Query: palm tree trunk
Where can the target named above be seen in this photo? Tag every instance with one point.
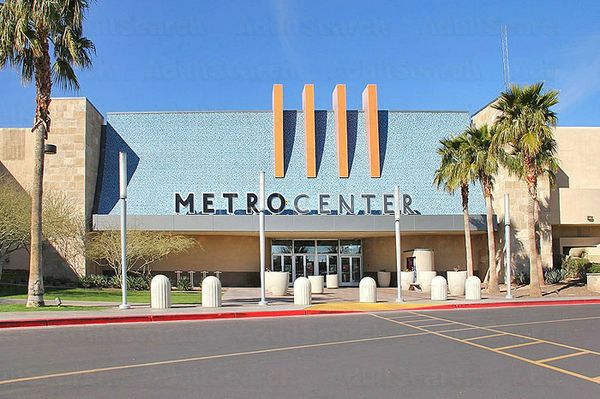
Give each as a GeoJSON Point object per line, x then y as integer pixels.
{"type": "Point", "coordinates": [539, 266]}
{"type": "Point", "coordinates": [534, 281]}
{"type": "Point", "coordinates": [464, 191]}
{"type": "Point", "coordinates": [43, 83]}
{"type": "Point", "coordinates": [493, 273]}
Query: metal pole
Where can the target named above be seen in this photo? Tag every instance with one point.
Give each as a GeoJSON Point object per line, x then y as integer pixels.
{"type": "Point", "coordinates": [397, 210]}
{"type": "Point", "coordinates": [261, 226]}
{"type": "Point", "coordinates": [123, 199]}
{"type": "Point", "coordinates": [507, 257]}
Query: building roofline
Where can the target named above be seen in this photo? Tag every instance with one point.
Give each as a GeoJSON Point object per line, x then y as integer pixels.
{"type": "Point", "coordinates": [484, 107]}
{"type": "Point", "coordinates": [269, 111]}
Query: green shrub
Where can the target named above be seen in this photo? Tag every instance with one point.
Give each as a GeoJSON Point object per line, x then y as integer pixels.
{"type": "Point", "coordinates": [593, 268]}
{"type": "Point", "coordinates": [86, 282]}
{"type": "Point", "coordinates": [137, 283]}
{"type": "Point", "coordinates": [115, 282]}
{"type": "Point", "coordinates": [184, 284]}
{"type": "Point", "coordinates": [521, 277]}
{"type": "Point", "coordinates": [574, 267]}
{"type": "Point", "coordinates": [554, 276]}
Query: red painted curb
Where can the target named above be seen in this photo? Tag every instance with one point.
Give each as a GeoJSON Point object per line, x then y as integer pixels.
{"type": "Point", "coordinates": [276, 313]}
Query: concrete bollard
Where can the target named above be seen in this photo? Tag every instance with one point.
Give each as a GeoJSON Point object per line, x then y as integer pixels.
{"type": "Point", "coordinates": [473, 289]}
{"type": "Point", "coordinates": [317, 284]}
{"type": "Point", "coordinates": [160, 292]}
{"type": "Point", "coordinates": [302, 291]}
{"type": "Point", "coordinates": [367, 290]}
{"type": "Point", "coordinates": [439, 289]}
{"type": "Point", "coordinates": [211, 292]}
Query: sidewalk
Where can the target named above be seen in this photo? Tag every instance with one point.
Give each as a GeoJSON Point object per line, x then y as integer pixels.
{"type": "Point", "coordinates": [243, 303]}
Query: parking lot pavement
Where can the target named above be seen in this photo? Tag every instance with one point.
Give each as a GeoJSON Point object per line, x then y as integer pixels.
{"type": "Point", "coordinates": [501, 353]}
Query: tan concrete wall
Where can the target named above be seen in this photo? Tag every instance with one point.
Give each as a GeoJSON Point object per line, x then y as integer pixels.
{"type": "Point", "coordinates": [76, 131]}
{"type": "Point", "coordinates": [379, 252]}
{"type": "Point", "coordinates": [223, 253]}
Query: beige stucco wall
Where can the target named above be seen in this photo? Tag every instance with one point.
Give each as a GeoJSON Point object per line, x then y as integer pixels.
{"type": "Point", "coordinates": [223, 253]}
{"type": "Point", "coordinates": [76, 131]}
{"type": "Point", "coordinates": [379, 252]}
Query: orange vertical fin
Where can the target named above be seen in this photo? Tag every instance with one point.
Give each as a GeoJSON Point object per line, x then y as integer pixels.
{"type": "Point", "coordinates": [369, 102]}
{"type": "Point", "coordinates": [341, 128]}
{"type": "Point", "coordinates": [308, 107]}
{"type": "Point", "coordinates": [278, 129]}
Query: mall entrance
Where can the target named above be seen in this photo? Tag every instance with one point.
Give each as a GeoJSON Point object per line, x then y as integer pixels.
{"type": "Point", "coordinates": [302, 258]}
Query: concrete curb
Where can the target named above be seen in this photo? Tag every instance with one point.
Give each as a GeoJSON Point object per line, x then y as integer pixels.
{"type": "Point", "coordinates": [90, 320]}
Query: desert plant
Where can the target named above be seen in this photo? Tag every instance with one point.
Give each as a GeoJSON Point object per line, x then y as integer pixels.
{"type": "Point", "coordinates": [457, 173]}
{"type": "Point", "coordinates": [184, 284]}
{"type": "Point", "coordinates": [43, 40]}
{"type": "Point", "coordinates": [554, 276]}
{"type": "Point", "coordinates": [521, 277]}
{"type": "Point", "coordinates": [525, 126]}
{"type": "Point", "coordinates": [575, 267]}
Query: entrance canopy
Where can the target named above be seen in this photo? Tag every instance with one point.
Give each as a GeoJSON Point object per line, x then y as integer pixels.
{"type": "Point", "coordinates": [293, 223]}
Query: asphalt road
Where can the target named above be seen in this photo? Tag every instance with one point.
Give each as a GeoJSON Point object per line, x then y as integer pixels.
{"type": "Point", "coordinates": [543, 352]}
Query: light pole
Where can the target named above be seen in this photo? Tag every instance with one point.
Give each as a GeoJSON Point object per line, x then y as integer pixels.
{"type": "Point", "coordinates": [507, 256]}
{"type": "Point", "coordinates": [397, 211]}
{"type": "Point", "coordinates": [261, 227]}
{"type": "Point", "coordinates": [123, 199]}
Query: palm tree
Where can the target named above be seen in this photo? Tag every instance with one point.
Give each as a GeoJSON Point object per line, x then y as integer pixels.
{"type": "Point", "coordinates": [43, 40]}
{"type": "Point", "coordinates": [485, 156]}
{"type": "Point", "coordinates": [455, 171]}
{"type": "Point", "coordinates": [525, 126]}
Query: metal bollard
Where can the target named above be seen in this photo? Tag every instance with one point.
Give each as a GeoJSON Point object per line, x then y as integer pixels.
{"type": "Point", "coordinates": [367, 290]}
{"type": "Point", "coordinates": [439, 289]}
{"type": "Point", "coordinates": [473, 289]}
{"type": "Point", "coordinates": [302, 291]}
{"type": "Point", "coordinates": [211, 292]}
{"type": "Point", "coordinates": [160, 292]}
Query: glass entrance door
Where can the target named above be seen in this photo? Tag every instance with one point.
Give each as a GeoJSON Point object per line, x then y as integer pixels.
{"type": "Point", "coordinates": [351, 270]}
{"type": "Point", "coordinates": [304, 266]}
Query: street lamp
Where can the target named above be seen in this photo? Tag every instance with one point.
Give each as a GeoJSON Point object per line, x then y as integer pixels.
{"type": "Point", "coordinates": [123, 198]}
{"type": "Point", "coordinates": [261, 227]}
{"type": "Point", "coordinates": [397, 210]}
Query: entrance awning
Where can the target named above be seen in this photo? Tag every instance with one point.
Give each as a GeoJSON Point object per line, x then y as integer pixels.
{"type": "Point", "coordinates": [292, 223]}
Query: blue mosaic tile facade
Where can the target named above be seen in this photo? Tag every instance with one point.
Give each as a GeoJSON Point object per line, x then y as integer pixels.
{"type": "Point", "coordinates": [221, 152]}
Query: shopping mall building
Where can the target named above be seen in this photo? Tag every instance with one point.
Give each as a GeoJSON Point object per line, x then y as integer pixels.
{"type": "Point", "coordinates": [330, 177]}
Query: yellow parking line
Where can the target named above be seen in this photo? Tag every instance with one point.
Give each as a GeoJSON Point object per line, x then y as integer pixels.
{"type": "Point", "coordinates": [460, 329]}
{"type": "Point", "coordinates": [527, 323]}
{"type": "Point", "coordinates": [502, 348]}
{"type": "Point", "coordinates": [544, 365]}
{"type": "Point", "coordinates": [551, 359]}
{"type": "Point", "coordinates": [510, 333]}
{"type": "Point", "coordinates": [484, 336]}
{"type": "Point", "coordinates": [435, 325]}
{"type": "Point", "coordinates": [202, 358]}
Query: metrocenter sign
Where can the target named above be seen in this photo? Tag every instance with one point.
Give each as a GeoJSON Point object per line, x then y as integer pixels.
{"type": "Point", "coordinates": [302, 204]}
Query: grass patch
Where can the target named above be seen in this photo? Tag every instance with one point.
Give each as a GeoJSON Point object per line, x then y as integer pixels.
{"type": "Point", "coordinates": [15, 307]}
{"type": "Point", "coordinates": [97, 295]}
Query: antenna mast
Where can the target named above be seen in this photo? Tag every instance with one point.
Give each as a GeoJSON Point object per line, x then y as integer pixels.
{"type": "Point", "coordinates": [505, 63]}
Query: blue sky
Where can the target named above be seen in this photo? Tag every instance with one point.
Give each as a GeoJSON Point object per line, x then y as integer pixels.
{"type": "Point", "coordinates": [423, 55]}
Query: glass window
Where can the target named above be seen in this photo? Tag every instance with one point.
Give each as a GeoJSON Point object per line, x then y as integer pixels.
{"type": "Point", "coordinates": [327, 246]}
{"type": "Point", "coordinates": [304, 246]}
{"type": "Point", "coordinates": [350, 247]}
{"type": "Point", "coordinates": [276, 264]}
{"type": "Point", "coordinates": [281, 247]}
